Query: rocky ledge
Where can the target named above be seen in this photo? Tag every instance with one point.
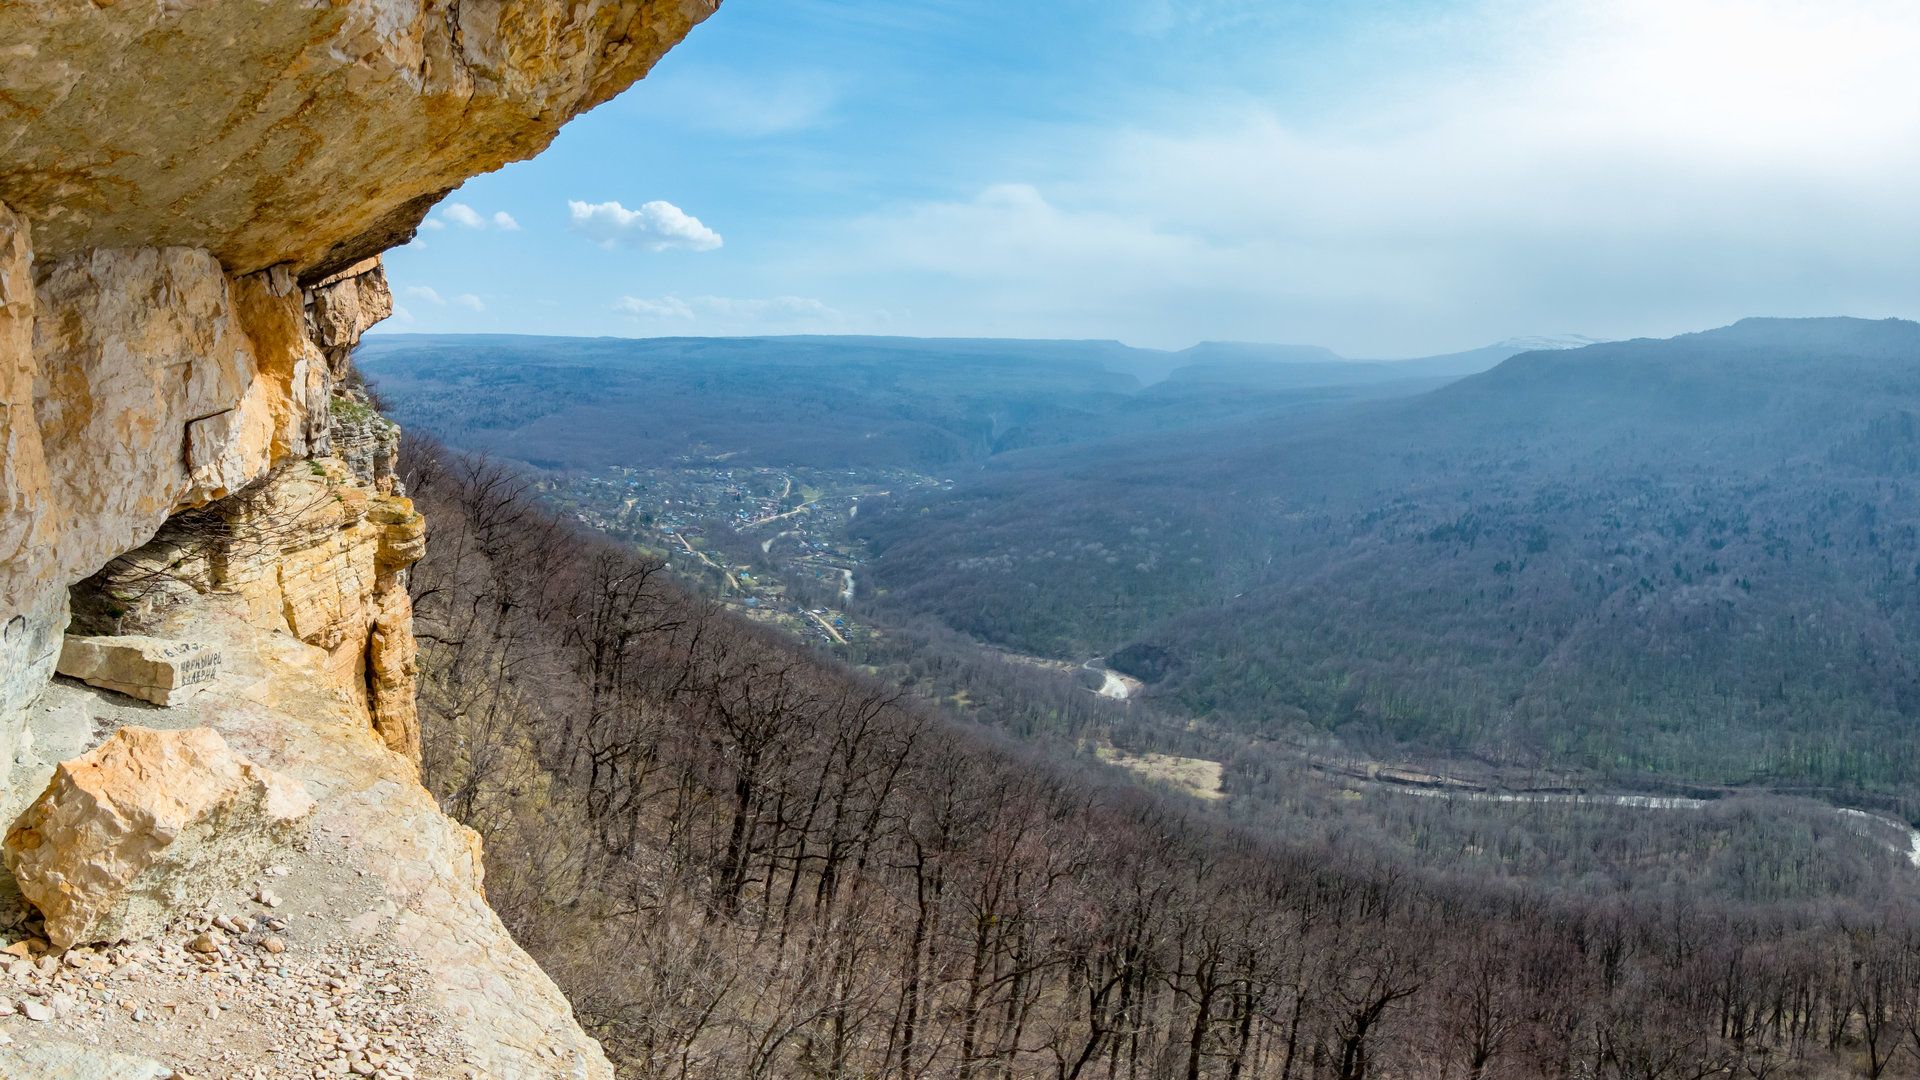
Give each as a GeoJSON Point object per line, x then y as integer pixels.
{"type": "Point", "coordinates": [200, 527]}
{"type": "Point", "coordinates": [368, 949]}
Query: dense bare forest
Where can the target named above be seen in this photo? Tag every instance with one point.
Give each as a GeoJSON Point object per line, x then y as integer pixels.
{"type": "Point", "coordinates": [740, 859]}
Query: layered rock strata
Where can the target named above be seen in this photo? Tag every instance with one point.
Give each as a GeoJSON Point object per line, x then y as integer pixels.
{"type": "Point", "coordinates": [151, 382]}
{"type": "Point", "coordinates": [190, 194]}
{"type": "Point", "coordinates": [193, 196]}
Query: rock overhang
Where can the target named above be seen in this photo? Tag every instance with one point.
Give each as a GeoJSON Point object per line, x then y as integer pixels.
{"type": "Point", "coordinates": [309, 135]}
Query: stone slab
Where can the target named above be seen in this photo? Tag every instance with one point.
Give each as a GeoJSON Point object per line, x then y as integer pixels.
{"type": "Point", "coordinates": [157, 670]}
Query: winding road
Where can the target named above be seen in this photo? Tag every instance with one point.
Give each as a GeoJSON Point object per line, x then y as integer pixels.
{"type": "Point", "coordinates": [1116, 686]}
{"type": "Point", "coordinates": [702, 556]}
{"type": "Point", "coordinates": [1458, 790]}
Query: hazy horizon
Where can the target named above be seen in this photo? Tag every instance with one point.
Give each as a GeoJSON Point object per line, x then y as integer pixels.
{"type": "Point", "coordinates": [1543, 341]}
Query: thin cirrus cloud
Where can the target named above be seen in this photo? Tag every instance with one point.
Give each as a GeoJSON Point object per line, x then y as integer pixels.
{"type": "Point", "coordinates": [657, 225]}
{"type": "Point", "coordinates": [740, 104]}
{"type": "Point", "coordinates": [428, 294]}
{"type": "Point", "coordinates": [1398, 179]}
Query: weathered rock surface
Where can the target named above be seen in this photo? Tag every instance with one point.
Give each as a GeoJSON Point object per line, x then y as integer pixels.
{"type": "Point", "coordinates": [66, 1061]}
{"type": "Point", "coordinates": [147, 827]}
{"type": "Point", "coordinates": [153, 382]}
{"type": "Point", "coordinates": [383, 895]}
{"type": "Point", "coordinates": [345, 305]}
{"type": "Point", "coordinates": [311, 551]}
{"type": "Point", "coordinates": [368, 442]}
{"type": "Point", "coordinates": [180, 185]}
{"type": "Point", "coordinates": [151, 669]}
{"type": "Point", "coordinates": [309, 134]}
{"type": "Point", "coordinates": [31, 613]}
{"type": "Point", "coordinates": [193, 196]}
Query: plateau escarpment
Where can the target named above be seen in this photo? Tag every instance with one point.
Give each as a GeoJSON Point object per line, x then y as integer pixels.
{"type": "Point", "coordinates": [192, 201]}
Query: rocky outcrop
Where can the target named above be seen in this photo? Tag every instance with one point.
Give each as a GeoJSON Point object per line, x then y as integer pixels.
{"type": "Point", "coordinates": [342, 307]}
{"type": "Point", "coordinates": [158, 383]}
{"type": "Point", "coordinates": [298, 134]}
{"type": "Point", "coordinates": [189, 197]}
{"type": "Point", "coordinates": [379, 930]}
{"type": "Point", "coordinates": [367, 442]}
{"type": "Point", "coordinates": [193, 197]}
{"type": "Point", "coordinates": [309, 551]}
{"type": "Point", "coordinates": [146, 826]}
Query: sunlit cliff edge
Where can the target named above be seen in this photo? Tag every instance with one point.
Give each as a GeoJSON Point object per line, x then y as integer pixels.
{"type": "Point", "coordinates": [193, 199]}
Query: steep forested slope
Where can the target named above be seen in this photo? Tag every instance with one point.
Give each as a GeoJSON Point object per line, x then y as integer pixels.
{"type": "Point", "coordinates": [741, 860]}
{"type": "Point", "coordinates": [1695, 558]}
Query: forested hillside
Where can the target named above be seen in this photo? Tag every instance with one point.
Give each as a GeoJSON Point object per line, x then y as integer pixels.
{"type": "Point", "coordinates": [797, 872]}
{"type": "Point", "coordinates": [1696, 559]}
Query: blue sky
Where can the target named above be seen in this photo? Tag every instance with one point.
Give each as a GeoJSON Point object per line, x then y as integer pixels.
{"type": "Point", "coordinates": [1387, 178]}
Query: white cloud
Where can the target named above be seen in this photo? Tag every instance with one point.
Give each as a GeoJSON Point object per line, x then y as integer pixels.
{"type": "Point", "coordinates": [467, 217]}
{"type": "Point", "coordinates": [1609, 166]}
{"type": "Point", "coordinates": [470, 302]}
{"type": "Point", "coordinates": [461, 214]}
{"type": "Point", "coordinates": [423, 292]}
{"type": "Point", "coordinates": [655, 226]}
{"type": "Point", "coordinates": [401, 314]}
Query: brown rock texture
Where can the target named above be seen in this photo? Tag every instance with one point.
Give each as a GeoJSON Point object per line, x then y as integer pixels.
{"type": "Point", "coordinates": [344, 306]}
{"type": "Point", "coordinates": [307, 134]}
{"type": "Point", "coordinates": [191, 194]}
{"type": "Point", "coordinates": [144, 829]}
{"type": "Point", "coordinates": [382, 874]}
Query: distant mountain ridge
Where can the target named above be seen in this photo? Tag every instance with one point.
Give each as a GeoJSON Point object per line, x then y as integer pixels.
{"type": "Point", "coordinates": [1210, 361]}
{"type": "Point", "coordinates": [1696, 557]}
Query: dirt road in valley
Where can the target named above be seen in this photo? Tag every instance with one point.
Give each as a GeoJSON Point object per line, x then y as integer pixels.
{"type": "Point", "coordinates": [732, 581]}
{"type": "Point", "coordinates": [1442, 787]}
{"type": "Point", "coordinates": [1114, 685]}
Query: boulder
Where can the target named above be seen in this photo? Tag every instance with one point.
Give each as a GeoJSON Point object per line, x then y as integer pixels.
{"type": "Point", "coordinates": [146, 827]}
{"type": "Point", "coordinates": [152, 669]}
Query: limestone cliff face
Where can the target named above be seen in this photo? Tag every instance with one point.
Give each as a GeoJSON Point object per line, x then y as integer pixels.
{"type": "Point", "coordinates": [313, 551]}
{"type": "Point", "coordinates": [190, 192]}
{"type": "Point", "coordinates": [193, 198]}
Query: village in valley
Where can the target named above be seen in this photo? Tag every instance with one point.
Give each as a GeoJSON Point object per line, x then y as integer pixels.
{"type": "Point", "coordinates": [772, 543]}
